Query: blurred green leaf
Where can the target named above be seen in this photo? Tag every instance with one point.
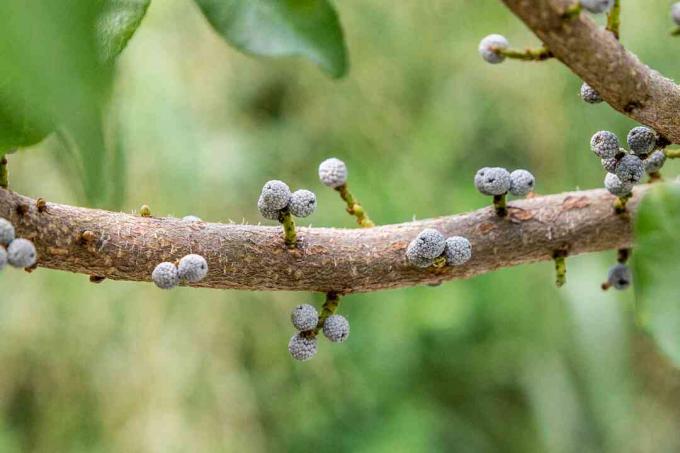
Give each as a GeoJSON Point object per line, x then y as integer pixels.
{"type": "Point", "coordinates": [117, 23]}
{"type": "Point", "coordinates": [655, 266]}
{"type": "Point", "coordinates": [309, 28]}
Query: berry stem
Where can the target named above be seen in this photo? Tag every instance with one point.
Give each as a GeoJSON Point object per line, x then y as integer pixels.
{"type": "Point", "coordinates": [676, 32]}
{"type": "Point", "coordinates": [354, 208]}
{"type": "Point", "coordinates": [500, 204]}
{"type": "Point", "coordinates": [622, 255]}
{"type": "Point", "coordinates": [540, 54]}
{"type": "Point", "coordinates": [614, 19]}
{"type": "Point", "coordinates": [560, 258]}
{"type": "Point", "coordinates": [572, 11]}
{"type": "Point", "coordinates": [289, 234]}
{"type": "Point", "coordinates": [620, 204]}
{"type": "Point", "coordinates": [329, 308]}
{"type": "Point", "coordinates": [672, 153]}
{"type": "Point", "coordinates": [439, 262]}
{"type": "Point", "coordinates": [4, 174]}
{"type": "Point", "coordinates": [655, 177]}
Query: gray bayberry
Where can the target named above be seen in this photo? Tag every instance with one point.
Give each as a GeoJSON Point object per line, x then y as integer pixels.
{"type": "Point", "coordinates": [605, 144]}
{"type": "Point", "coordinates": [3, 257]}
{"type": "Point", "coordinates": [336, 328]}
{"type": "Point", "coordinates": [427, 246]}
{"type": "Point", "coordinates": [302, 203]}
{"type": "Point", "coordinates": [654, 162]}
{"type": "Point", "coordinates": [492, 181]}
{"type": "Point", "coordinates": [521, 183]}
{"type": "Point", "coordinates": [630, 168]}
{"type": "Point", "coordinates": [609, 164]}
{"type": "Point", "coordinates": [304, 317]}
{"type": "Point", "coordinates": [617, 187]}
{"type": "Point", "coordinates": [165, 276]}
{"type": "Point", "coordinates": [675, 12]}
{"type": "Point", "coordinates": [6, 232]}
{"type": "Point", "coordinates": [275, 195]}
{"type": "Point", "coordinates": [619, 276]}
{"type": "Point", "coordinates": [589, 95]}
{"type": "Point", "coordinates": [266, 212]}
{"type": "Point", "coordinates": [302, 347]}
{"type": "Point", "coordinates": [491, 46]}
{"type": "Point", "coordinates": [21, 253]}
{"type": "Point", "coordinates": [192, 268]}
{"type": "Point", "coordinates": [597, 6]}
{"type": "Point", "coordinates": [191, 218]}
{"type": "Point", "coordinates": [333, 172]}
{"type": "Point", "coordinates": [641, 140]}
{"type": "Point", "coordinates": [458, 250]}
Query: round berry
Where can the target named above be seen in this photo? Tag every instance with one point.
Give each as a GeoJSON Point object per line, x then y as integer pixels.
{"type": "Point", "coordinates": [3, 257]}
{"type": "Point", "coordinates": [654, 162]}
{"type": "Point", "coordinates": [458, 250]}
{"type": "Point", "coordinates": [619, 276]}
{"type": "Point", "coordinates": [21, 253]}
{"type": "Point", "coordinates": [275, 195]}
{"type": "Point", "coordinates": [427, 246]}
{"type": "Point", "coordinates": [521, 183]}
{"type": "Point", "coordinates": [304, 317]}
{"type": "Point", "coordinates": [589, 95]}
{"type": "Point", "coordinates": [266, 212]}
{"type": "Point", "coordinates": [675, 12]}
{"type": "Point", "coordinates": [302, 203]}
{"type": "Point", "coordinates": [6, 232]}
{"type": "Point", "coordinates": [605, 144]}
{"type": "Point", "coordinates": [641, 140]}
{"type": "Point", "coordinates": [336, 328]}
{"type": "Point", "coordinates": [302, 347]}
{"type": "Point", "coordinates": [492, 181]}
{"type": "Point", "coordinates": [630, 168]}
{"type": "Point", "coordinates": [192, 268]}
{"type": "Point", "coordinates": [191, 218]}
{"type": "Point", "coordinates": [491, 46]}
{"type": "Point", "coordinates": [597, 6]}
{"type": "Point", "coordinates": [617, 187]}
{"type": "Point", "coordinates": [333, 172]}
{"type": "Point", "coordinates": [165, 276]}
{"type": "Point", "coordinates": [609, 164]}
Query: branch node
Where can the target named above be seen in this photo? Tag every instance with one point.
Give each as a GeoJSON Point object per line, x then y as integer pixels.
{"type": "Point", "coordinates": [41, 205]}
{"type": "Point", "coordinates": [145, 211]}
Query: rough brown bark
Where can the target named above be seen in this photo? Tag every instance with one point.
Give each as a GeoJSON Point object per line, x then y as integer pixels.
{"type": "Point", "coordinates": [596, 56]}
{"type": "Point", "coordinates": [126, 247]}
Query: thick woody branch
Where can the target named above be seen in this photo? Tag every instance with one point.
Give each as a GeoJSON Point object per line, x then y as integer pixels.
{"type": "Point", "coordinates": [126, 247]}
{"type": "Point", "coordinates": [597, 57]}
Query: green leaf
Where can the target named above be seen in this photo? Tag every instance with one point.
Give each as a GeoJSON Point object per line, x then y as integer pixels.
{"type": "Point", "coordinates": [309, 28]}
{"type": "Point", "coordinates": [656, 262]}
{"type": "Point", "coordinates": [117, 23]}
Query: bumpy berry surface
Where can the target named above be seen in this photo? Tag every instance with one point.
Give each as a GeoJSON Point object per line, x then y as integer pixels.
{"type": "Point", "coordinates": [302, 203]}
{"type": "Point", "coordinates": [275, 195]}
{"type": "Point", "coordinates": [589, 95]}
{"type": "Point", "coordinates": [521, 183]}
{"type": "Point", "coordinates": [191, 218]}
{"type": "Point", "coordinates": [675, 12]}
{"type": "Point", "coordinates": [617, 187]}
{"type": "Point", "coordinates": [489, 48]}
{"type": "Point", "coordinates": [630, 168]}
{"type": "Point", "coordinates": [7, 234]}
{"type": "Point", "coordinates": [620, 276]}
{"type": "Point", "coordinates": [192, 268]}
{"type": "Point", "coordinates": [333, 172]}
{"type": "Point", "coordinates": [302, 347]}
{"type": "Point", "coordinates": [428, 245]}
{"type": "Point", "coordinates": [165, 276]}
{"type": "Point", "coordinates": [304, 317]}
{"type": "Point", "coordinates": [21, 253]}
{"type": "Point", "coordinates": [266, 212]}
{"type": "Point", "coordinates": [641, 140]}
{"type": "Point", "coordinates": [3, 257]}
{"type": "Point", "coordinates": [336, 328]}
{"type": "Point", "coordinates": [458, 250]}
{"type": "Point", "coordinates": [597, 6]}
{"type": "Point", "coordinates": [609, 164]}
{"type": "Point", "coordinates": [492, 181]}
{"type": "Point", "coordinates": [605, 144]}
{"type": "Point", "coordinates": [654, 162]}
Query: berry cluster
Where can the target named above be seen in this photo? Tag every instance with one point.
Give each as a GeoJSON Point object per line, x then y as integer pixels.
{"type": "Point", "coordinates": [276, 198]}
{"type": "Point", "coordinates": [19, 253]}
{"type": "Point", "coordinates": [499, 181]}
{"type": "Point", "coordinates": [191, 269]}
{"type": "Point", "coordinates": [303, 345]}
{"type": "Point", "coordinates": [430, 247]}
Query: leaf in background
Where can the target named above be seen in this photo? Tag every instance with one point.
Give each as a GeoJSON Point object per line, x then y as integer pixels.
{"type": "Point", "coordinates": [656, 266]}
{"type": "Point", "coordinates": [309, 28]}
{"type": "Point", "coordinates": [117, 23]}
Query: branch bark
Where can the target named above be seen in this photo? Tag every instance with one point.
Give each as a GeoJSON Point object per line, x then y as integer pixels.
{"type": "Point", "coordinates": [126, 247]}
{"type": "Point", "coordinates": [597, 57]}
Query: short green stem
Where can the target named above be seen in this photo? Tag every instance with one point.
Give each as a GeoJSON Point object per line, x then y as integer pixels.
{"type": "Point", "coordinates": [329, 308]}
{"type": "Point", "coordinates": [354, 208]}
{"type": "Point", "coordinates": [4, 174]}
{"type": "Point", "coordinates": [572, 11]}
{"type": "Point", "coordinates": [620, 203]}
{"type": "Point", "coordinates": [540, 54]}
{"type": "Point", "coordinates": [676, 32]}
{"type": "Point", "coordinates": [672, 153]}
{"type": "Point", "coordinates": [289, 234]}
{"type": "Point", "coordinates": [614, 19]}
{"type": "Point", "coordinates": [145, 211]}
{"type": "Point", "coordinates": [500, 205]}
{"type": "Point", "coordinates": [560, 258]}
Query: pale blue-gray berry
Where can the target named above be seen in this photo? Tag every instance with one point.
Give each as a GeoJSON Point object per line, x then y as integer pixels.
{"type": "Point", "coordinates": [641, 140]}
{"type": "Point", "coordinates": [336, 328]}
{"type": "Point", "coordinates": [605, 144]}
{"type": "Point", "coordinates": [492, 181]}
{"type": "Point", "coordinates": [302, 347]}
{"type": "Point", "coordinates": [192, 268]}
{"type": "Point", "coordinates": [589, 95]}
{"type": "Point", "coordinates": [654, 162]}
{"type": "Point", "coordinates": [21, 253]}
{"type": "Point", "coordinates": [675, 12]}
{"type": "Point", "coordinates": [597, 6]}
{"type": "Point", "coordinates": [6, 232]}
{"type": "Point", "coordinates": [191, 218]}
{"type": "Point", "coordinates": [630, 168]}
{"type": "Point", "coordinates": [275, 195]}
{"type": "Point", "coordinates": [165, 275]}
{"type": "Point", "coordinates": [302, 203]}
{"type": "Point", "coordinates": [617, 187]}
{"type": "Point", "coordinates": [304, 317]}
{"type": "Point", "coordinates": [619, 276]}
{"type": "Point", "coordinates": [427, 246]}
{"type": "Point", "coordinates": [333, 172]}
{"type": "Point", "coordinates": [491, 46]}
{"type": "Point", "coordinates": [3, 257]}
{"type": "Point", "coordinates": [521, 183]}
{"type": "Point", "coordinates": [266, 212]}
{"type": "Point", "coordinates": [458, 251]}
{"type": "Point", "coordinates": [609, 164]}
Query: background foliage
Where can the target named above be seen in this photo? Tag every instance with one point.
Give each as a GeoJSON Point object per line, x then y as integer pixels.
{"type": "Point", "coordinates": [503, 362]}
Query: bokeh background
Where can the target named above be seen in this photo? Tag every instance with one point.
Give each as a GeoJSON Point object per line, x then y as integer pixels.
{"type": "Point", "coordinates": [503, 362]}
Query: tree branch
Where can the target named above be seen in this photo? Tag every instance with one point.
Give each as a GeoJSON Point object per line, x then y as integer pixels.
{"type": "Point", "coordinates": [597, 57]}
{"type": "Point", "coordinates": [126, 247]}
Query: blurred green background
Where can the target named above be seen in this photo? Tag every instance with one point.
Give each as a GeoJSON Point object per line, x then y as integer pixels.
{"type": "Point", "coordinates": [503, 362]}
